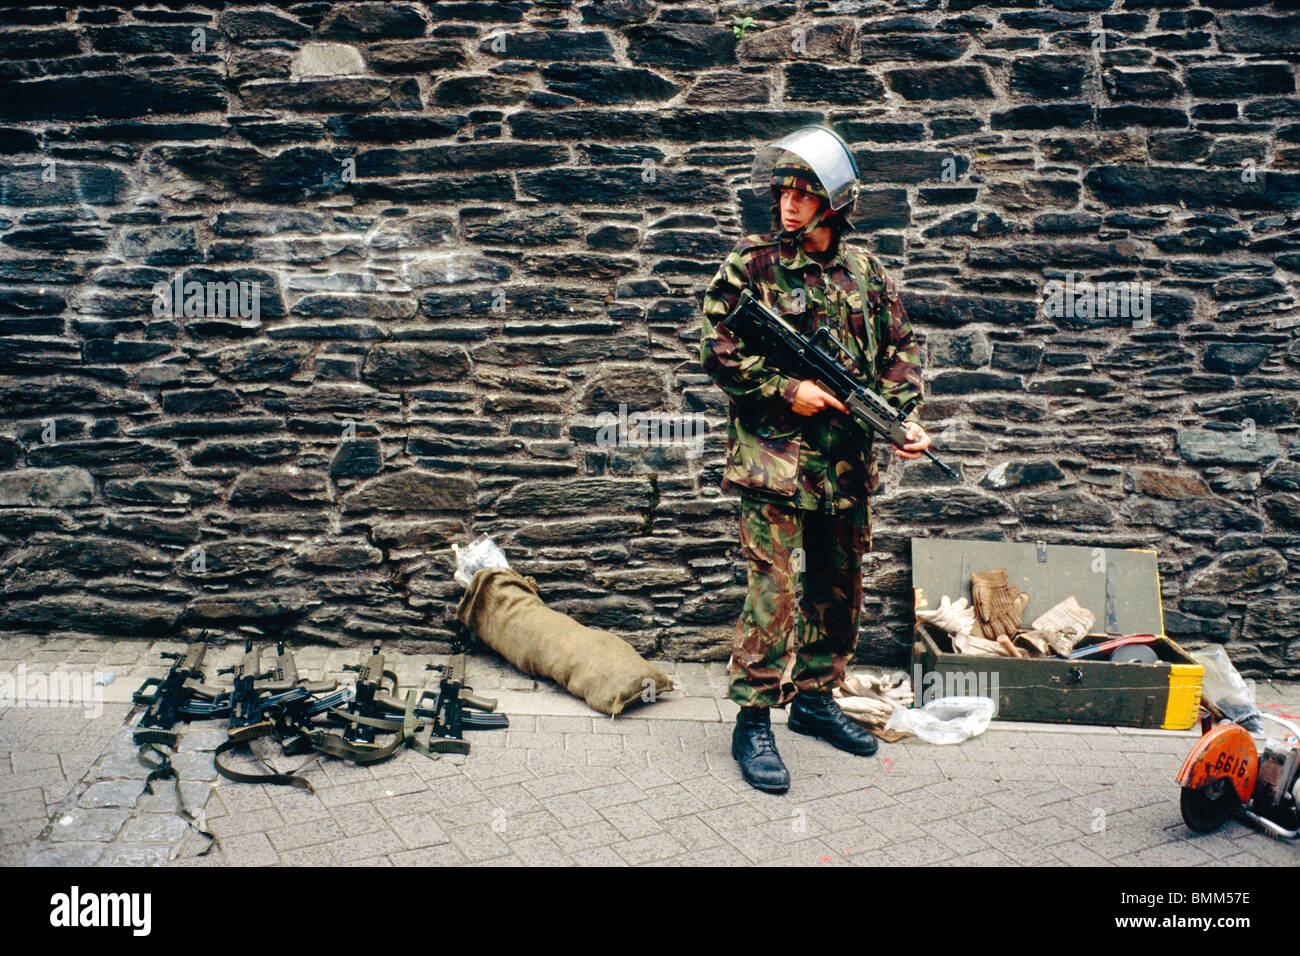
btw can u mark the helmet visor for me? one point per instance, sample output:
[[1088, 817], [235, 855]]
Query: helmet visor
[[826, 154]]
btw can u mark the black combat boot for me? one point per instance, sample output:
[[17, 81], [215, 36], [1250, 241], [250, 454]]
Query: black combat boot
[[754, 748], [817, 715]]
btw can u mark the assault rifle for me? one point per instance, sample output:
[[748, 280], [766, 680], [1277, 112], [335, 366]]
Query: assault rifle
[[171, 694], [284, 675], [455, 710], [376, 707], [365, 714], [815, 359], [243, 696]]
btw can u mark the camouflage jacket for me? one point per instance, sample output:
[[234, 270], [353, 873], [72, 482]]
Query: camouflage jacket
[[823, 460]]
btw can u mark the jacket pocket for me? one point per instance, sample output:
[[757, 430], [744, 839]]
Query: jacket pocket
[[763, 456]]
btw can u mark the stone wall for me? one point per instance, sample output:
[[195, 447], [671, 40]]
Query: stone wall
[[474, 227]]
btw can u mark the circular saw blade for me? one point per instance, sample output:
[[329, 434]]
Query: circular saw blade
[[1134, 654]]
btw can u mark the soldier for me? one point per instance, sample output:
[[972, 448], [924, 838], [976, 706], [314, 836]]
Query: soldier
[[802, 467]]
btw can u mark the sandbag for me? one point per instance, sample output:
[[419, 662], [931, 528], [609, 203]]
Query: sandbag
[[504, 609]]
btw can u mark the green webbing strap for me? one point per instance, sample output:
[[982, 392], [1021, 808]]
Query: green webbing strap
[[162, 769], [874, 339], [274, 777], [387, 724]]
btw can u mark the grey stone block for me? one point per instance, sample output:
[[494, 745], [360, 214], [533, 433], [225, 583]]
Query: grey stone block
[[112, 793], [137, 854], [81, 825], [66, 854]]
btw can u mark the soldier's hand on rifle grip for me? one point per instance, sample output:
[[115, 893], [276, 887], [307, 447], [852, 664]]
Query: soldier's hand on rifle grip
[[810, 398], [920, 441]]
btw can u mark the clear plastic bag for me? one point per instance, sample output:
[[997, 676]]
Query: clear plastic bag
[[483, 553], [948, 720], [1230, 693]]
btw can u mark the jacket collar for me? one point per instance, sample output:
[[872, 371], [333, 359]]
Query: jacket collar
[[794, 258]]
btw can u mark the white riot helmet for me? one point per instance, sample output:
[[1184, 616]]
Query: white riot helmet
[[814, 159]]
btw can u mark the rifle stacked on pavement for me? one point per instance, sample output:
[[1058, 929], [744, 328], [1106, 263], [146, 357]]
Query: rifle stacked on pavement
[[168, 700], [376, 708], [296, 712]]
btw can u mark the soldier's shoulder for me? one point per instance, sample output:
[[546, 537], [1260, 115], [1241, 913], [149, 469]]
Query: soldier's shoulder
[[866, 261], [757, 243], [873, 270]]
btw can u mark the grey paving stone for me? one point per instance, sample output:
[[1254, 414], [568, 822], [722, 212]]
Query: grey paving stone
[[82, 825], [725, 855], [921, 852], [30, 760], [313, 854], [598, 856], [24, 804], [425, 802], [113, 793], [65, 854], [358, 819], [298, 835], [613, 795], [154, 828], [378, 843], [202, 737], [249, 849], [478, 842], [430, 856], [163, 799], [420, 830], [586, 836], [136, 854], [120, 766], [692, 833], [1168, 854], [247, 822], [539, 851], [650, 849], [537, 823]]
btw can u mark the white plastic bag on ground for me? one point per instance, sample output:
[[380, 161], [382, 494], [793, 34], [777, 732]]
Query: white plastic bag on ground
[[483, 553], [1230, 693], [948, 720]]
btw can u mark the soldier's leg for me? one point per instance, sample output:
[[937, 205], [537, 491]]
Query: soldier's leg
[[769, 533], [832, 605], [832, 596]]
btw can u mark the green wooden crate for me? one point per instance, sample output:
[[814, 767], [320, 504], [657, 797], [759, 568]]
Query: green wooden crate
[[1120, 586]]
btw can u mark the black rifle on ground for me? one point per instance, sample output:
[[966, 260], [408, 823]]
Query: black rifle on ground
[[814, 358], [365, 713], [167, 699], [172, 699], [244, 711], [455, 710], [284, 675]]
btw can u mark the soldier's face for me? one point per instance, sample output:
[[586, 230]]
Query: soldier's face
[[797, 208]]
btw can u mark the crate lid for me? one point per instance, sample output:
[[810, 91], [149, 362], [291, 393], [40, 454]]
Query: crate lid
[[1119, 585]]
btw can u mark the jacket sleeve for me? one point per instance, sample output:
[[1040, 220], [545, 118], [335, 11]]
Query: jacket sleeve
[[900, 367], [741, 375]]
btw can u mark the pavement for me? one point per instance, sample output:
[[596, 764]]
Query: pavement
[[567, 786]]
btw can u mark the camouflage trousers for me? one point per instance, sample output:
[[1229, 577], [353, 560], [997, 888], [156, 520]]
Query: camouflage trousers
[[805, 599]]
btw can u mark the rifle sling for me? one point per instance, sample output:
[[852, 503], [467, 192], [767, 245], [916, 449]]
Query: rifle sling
[[274, 777], [162, 769], [875, 337]]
